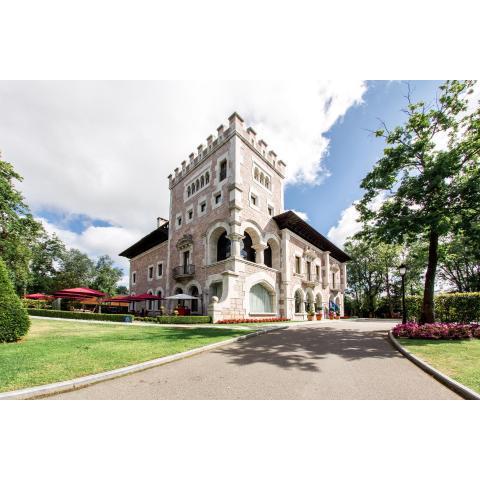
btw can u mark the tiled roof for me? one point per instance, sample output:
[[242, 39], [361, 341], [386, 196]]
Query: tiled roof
[[295, 224], [149, 241]]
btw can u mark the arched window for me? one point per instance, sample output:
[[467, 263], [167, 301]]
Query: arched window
[[298, 302], [262, 178], [202, 181], [207, 178], [256, 174], [247, 252], [267, 182], [193, 188], [260, 299], [189, 191], [267, 256], [197, 184], [223, 247]]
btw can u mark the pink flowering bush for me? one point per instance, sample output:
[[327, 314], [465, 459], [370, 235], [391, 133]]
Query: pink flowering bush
[[437, 331], [254, 320]]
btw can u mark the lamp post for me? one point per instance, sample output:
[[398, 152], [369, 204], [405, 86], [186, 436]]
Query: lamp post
[[402, 269]]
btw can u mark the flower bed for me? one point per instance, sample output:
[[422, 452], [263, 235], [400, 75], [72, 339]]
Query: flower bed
[[437, 331], [175, 320], [254, 320]]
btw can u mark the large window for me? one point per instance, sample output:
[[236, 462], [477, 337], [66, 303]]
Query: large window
[[247, 252], [260, 300], [223, 247]]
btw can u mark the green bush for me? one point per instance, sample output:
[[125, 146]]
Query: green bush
[[36, 304], [178, 320], [106, 317], [449, 307], [14, 321]]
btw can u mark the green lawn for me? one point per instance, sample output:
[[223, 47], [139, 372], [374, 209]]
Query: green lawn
[[459, 359], [54, 351]]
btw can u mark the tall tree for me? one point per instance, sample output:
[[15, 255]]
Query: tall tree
[[460, 263], [47, 256], [106, 275], [428, 176], [18, 229], [76, 270], [370, 273]]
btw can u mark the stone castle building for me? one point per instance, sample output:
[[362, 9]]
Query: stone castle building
[[228, 236]]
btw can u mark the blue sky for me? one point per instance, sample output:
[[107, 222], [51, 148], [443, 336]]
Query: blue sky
[[95, 156], [353, 150]]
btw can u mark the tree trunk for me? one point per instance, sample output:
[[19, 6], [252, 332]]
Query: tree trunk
[[389, 297], [428, 313]]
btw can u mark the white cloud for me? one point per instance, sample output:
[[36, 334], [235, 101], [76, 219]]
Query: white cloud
[[105, 149], [347, 226], [96, 241], [302, 215]]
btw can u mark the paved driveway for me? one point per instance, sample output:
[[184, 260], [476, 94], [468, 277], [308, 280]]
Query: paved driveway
[[322, 360]]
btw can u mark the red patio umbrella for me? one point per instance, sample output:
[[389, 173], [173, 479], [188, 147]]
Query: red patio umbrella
[[38, 296], [79, 292]]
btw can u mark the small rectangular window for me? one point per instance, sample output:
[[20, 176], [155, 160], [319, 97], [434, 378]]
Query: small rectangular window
[[297, 265], [218, 198], [203, 207], [190, 214], [253, 199], [150, 272], [134, 277], [270, 211], [223, 170], [160, 269], [179, 221]]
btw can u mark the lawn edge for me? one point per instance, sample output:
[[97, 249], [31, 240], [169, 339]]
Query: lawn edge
[[457, 387], [81, 382]]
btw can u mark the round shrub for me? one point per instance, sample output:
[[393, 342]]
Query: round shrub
[[14, 320]]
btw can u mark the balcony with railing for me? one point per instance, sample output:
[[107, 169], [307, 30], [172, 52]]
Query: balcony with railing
[[184, 271]]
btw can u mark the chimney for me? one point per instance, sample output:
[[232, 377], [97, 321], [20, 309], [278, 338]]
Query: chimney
[[161, 221]]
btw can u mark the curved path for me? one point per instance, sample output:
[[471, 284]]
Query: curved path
[[322, 360]]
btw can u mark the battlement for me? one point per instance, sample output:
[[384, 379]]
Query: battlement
[[236, 124]]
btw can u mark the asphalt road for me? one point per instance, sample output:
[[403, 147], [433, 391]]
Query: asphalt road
[[322, 360]]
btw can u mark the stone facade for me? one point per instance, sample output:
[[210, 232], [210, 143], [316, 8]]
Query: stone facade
[[224, 238]]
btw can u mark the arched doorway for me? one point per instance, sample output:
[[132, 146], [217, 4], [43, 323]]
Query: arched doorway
[[194, 304], [223, 247], [178, 291], [299, 304], [247, 252], [310, 303], [267, 256]]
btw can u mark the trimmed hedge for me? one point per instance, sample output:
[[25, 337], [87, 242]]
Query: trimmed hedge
[[449, 307], [175, 320], [14, 321], [106, 317], [35, 304]]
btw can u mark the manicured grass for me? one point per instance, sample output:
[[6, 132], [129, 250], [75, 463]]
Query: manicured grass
[[459, 359], [54, 350]]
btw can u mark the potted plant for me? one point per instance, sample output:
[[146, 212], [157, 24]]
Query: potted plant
[[331, 314], [319, 315], [311, 314]]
